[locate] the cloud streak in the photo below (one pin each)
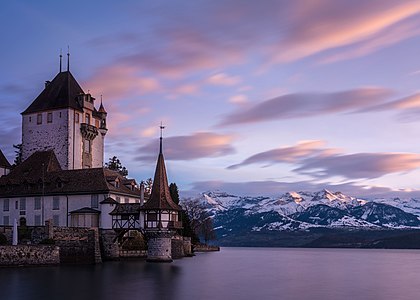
(307, 105)
(359, 165)
(290, 154)
(189, 147)
(313, 159)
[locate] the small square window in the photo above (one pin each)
(6, 205)
(22, 204)
(94, 201)
(56, 203)
(37, 204)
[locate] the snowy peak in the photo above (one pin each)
(301, 210)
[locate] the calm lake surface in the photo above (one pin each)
(232, 273)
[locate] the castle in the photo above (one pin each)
(62, 178)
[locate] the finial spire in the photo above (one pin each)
(61, 57)
(68, 58)
(161, 134)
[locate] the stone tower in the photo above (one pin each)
(161, 215)
(64, 118)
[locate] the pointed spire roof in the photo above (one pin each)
(61, 92)
(101, 107)
(4, 163)
(160, 197)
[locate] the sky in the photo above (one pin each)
(257, 97)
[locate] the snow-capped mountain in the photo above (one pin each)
(303, 210)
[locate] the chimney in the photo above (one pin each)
(142, 193)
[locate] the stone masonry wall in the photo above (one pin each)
(29, 255)
(77, 245)
(177, 247)
(109, 244)
(159, 248)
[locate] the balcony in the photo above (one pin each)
(89, 132)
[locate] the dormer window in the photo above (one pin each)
(117, 183)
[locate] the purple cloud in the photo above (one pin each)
(308, 105)
(359, 165)
(290, 154)
(189, 147)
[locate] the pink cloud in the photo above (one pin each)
(291, 154)
(223, 79)
(359, 165)
(333, 24)
(117, 81)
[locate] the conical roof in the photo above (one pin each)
(160, 197)
(61, 92)
(102, 109)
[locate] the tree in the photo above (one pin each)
(115, 165)
(173, 190)
(200, 221)
(18, 152)
(207, 230)
(148, 186)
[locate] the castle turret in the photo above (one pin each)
(161, 215)
(102, 114)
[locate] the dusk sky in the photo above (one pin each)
(258, 97)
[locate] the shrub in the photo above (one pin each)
(3, 239)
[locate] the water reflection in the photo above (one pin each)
(239, 273)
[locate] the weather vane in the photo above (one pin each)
(161, 129)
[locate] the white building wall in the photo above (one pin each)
(67, 203)
(98, 151)
(75, 139)
(46, 136)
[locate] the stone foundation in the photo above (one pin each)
(187, 246)
(27, 255)
(177, 245)
(109, 244)
(159, 246)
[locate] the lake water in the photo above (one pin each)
(232, 273)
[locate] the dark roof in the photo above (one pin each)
(126, 209)
(32, 169)
(109, 200)
(61, 92)
(85, 210)
(4, 163)
(27, 178)
(160, 198)
(102, 109)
